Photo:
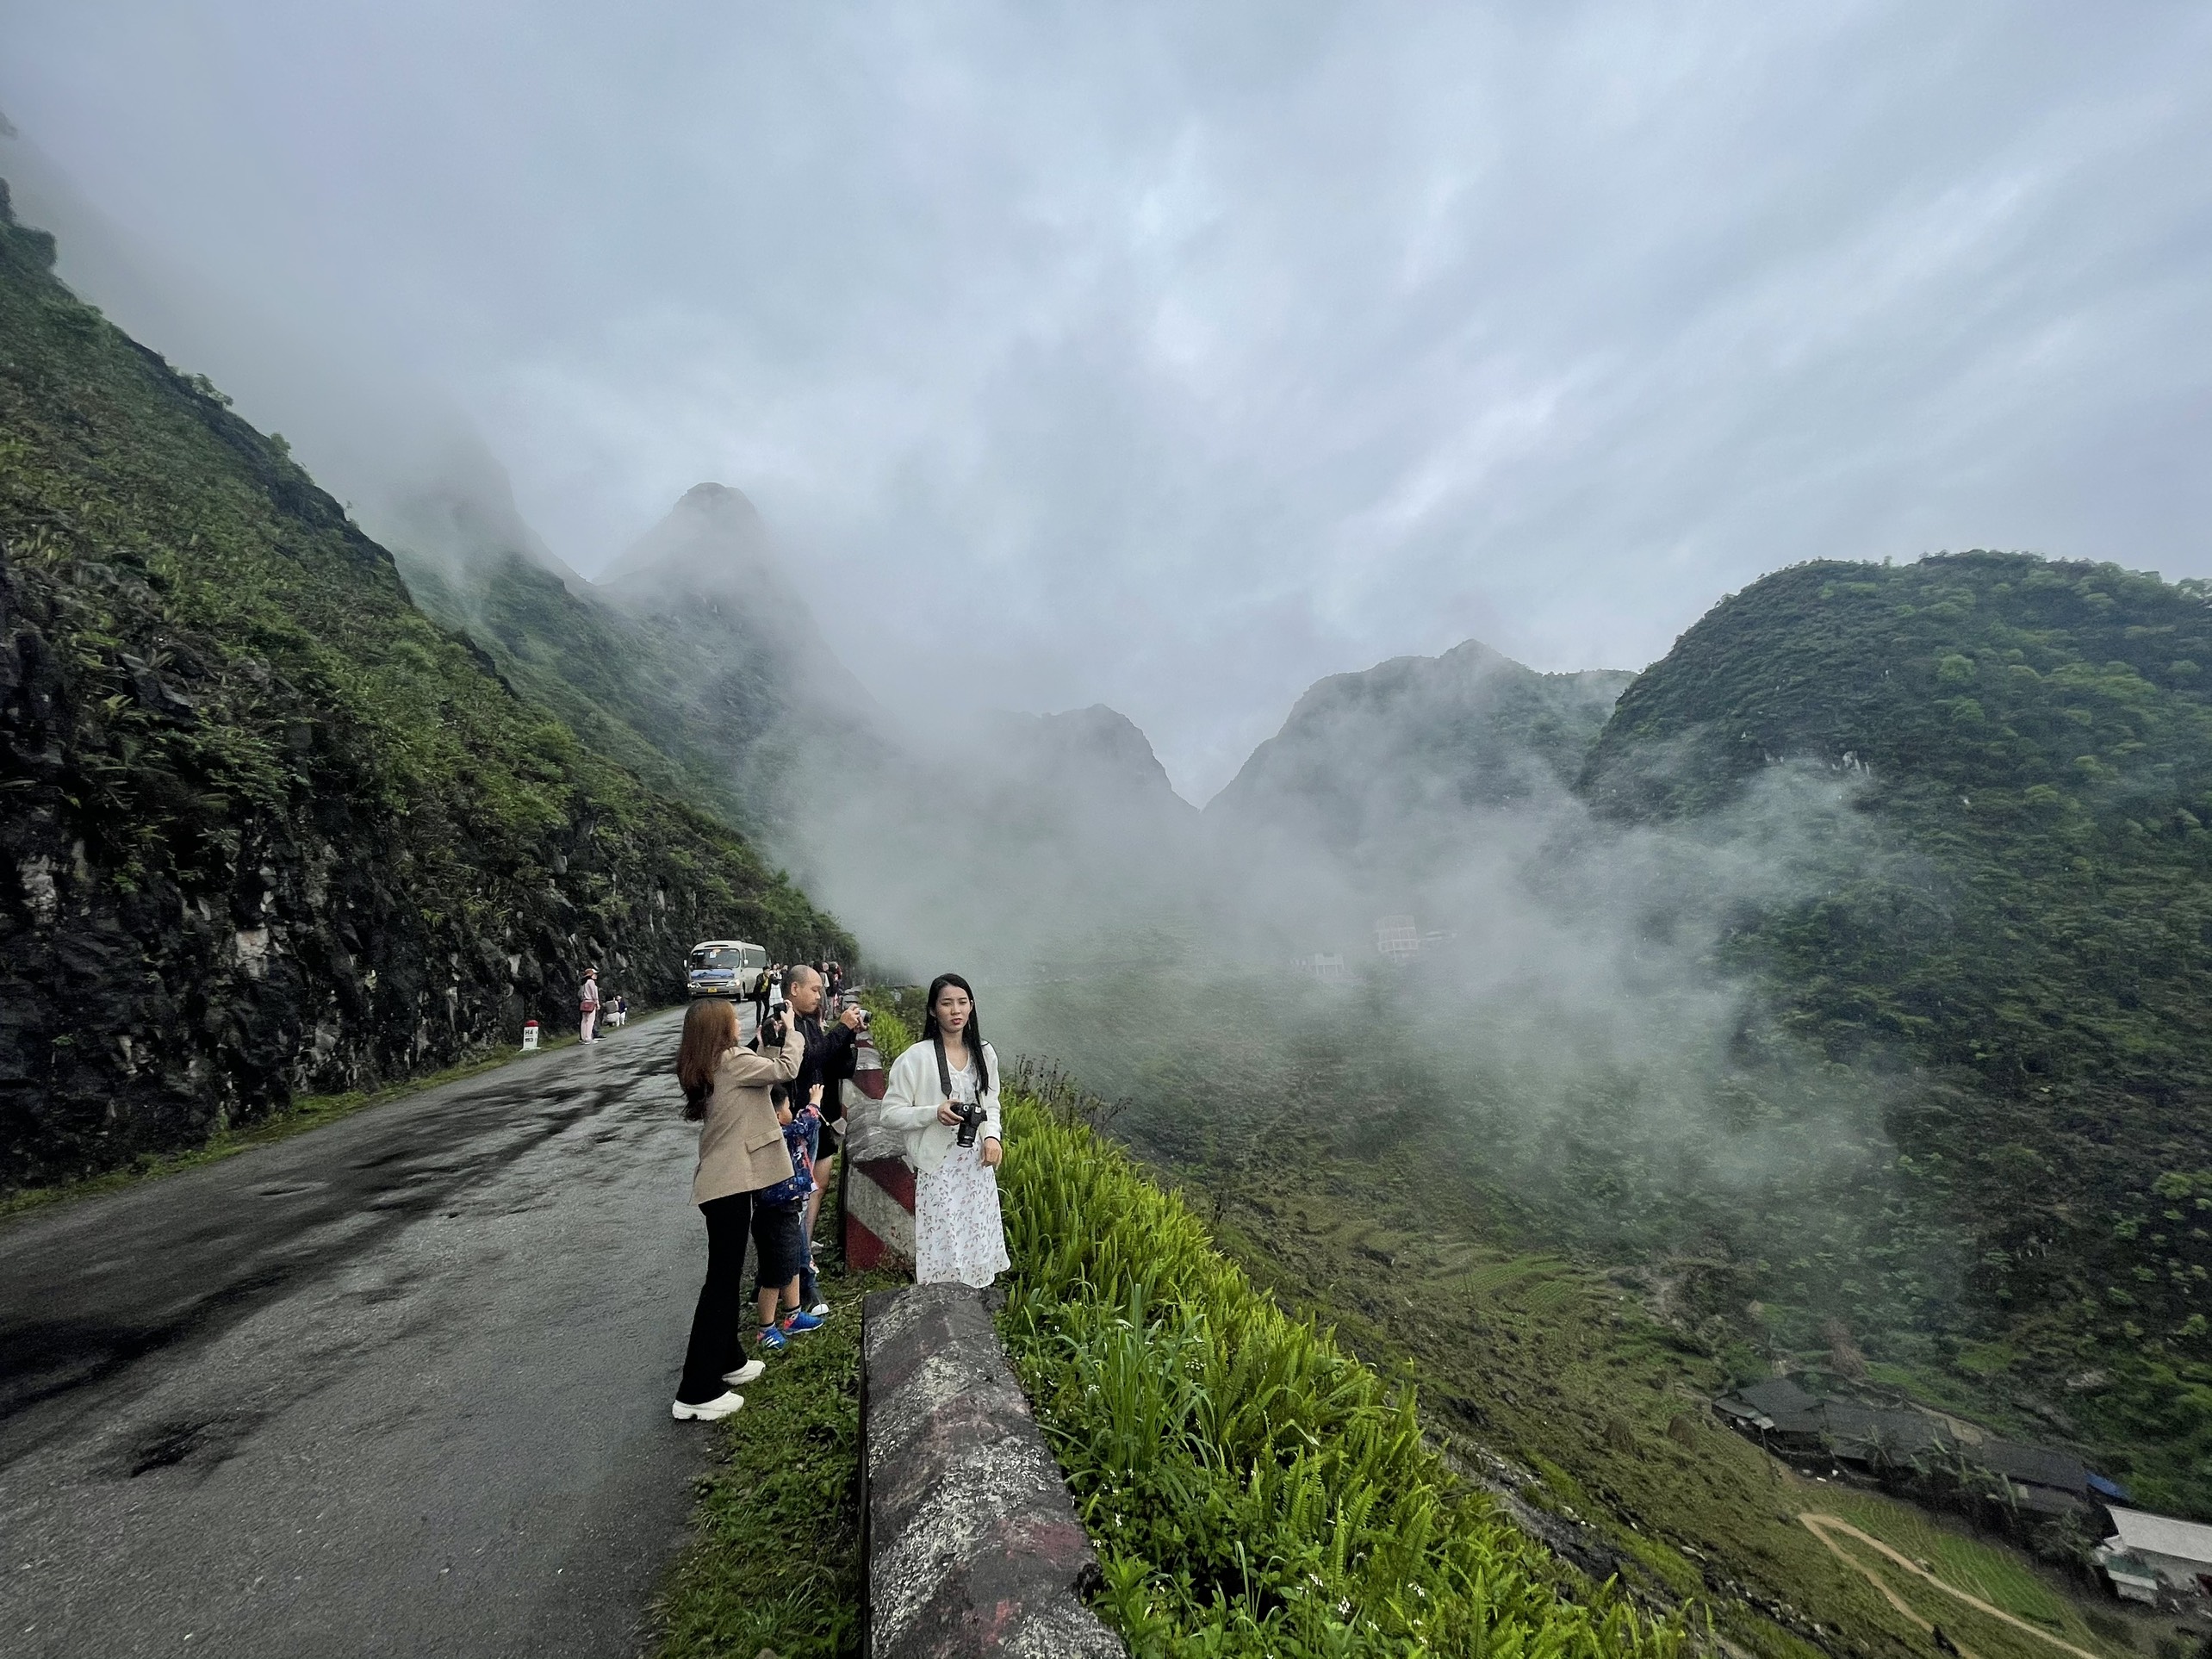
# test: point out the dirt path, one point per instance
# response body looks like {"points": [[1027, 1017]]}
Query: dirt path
{"points": [[1820, 1525]]}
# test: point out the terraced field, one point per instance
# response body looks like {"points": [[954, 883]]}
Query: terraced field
{"points": [[1555, 1384]]}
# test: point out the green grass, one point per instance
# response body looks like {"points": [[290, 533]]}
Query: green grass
{"points": [[774, 1557], [1252, 1487], [1197, 1421]]}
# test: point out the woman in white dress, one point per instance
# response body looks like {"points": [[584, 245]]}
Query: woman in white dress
{"points": [[942, 1094]]}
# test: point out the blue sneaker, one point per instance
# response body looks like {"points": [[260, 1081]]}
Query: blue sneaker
{"points": [[772, 1341], [798, 1323]]}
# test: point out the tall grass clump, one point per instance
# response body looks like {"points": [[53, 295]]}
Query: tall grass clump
{"points": [[1253, 1489], [892, 1020]]}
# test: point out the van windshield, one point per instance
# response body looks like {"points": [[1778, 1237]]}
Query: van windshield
{"points": [[727, 956]]}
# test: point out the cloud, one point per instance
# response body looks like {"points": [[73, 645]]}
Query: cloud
{"points": [[1173, 357]]}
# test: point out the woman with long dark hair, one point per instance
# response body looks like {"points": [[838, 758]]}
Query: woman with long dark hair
{"points": [[943, 1094], [741, 1151]]}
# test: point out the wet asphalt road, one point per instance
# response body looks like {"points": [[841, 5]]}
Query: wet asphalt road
{"points": [[400, 1385]]}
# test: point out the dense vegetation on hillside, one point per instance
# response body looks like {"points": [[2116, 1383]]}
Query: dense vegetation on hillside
{"points": [[588, 664], [694, 659], [2037, 738], [268, 826]]}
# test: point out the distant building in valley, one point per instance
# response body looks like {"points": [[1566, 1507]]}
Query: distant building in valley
{"points": [[1324, 965], [2038, 1481], [1398, 938]]}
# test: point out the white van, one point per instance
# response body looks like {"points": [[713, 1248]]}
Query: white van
{"points": [[725, 967]]}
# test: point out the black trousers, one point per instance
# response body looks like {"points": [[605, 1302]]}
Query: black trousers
{"points": [[717, 1341]]}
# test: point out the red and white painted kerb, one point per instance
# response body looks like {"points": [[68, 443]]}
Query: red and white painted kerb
{"points": [[879, 1185]]}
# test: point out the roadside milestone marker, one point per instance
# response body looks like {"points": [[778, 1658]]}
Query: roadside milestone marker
{"points": [[529, 1035]]}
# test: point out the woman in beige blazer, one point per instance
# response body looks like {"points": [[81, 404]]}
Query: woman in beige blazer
{"points": [[741, 1150]]}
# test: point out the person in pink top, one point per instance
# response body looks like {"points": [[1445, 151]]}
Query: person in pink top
{"points": [[588, 1003]]}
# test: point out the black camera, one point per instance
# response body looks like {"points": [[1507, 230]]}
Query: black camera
{"points": [[971, 1115], [774, 1032]]}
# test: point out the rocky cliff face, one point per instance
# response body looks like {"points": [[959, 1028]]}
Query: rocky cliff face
{"points": [[268, 827]]}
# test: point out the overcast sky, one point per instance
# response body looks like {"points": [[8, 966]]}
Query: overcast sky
{"points": [[1173, 356]]}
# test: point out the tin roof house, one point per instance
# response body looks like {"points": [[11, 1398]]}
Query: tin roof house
{"points": [[2178, 1553], [1781, 1413], [2042, 1480], [2038, 1481]]}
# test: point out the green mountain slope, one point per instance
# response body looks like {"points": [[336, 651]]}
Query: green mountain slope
{"points": [[694, 659], [2039, 736], [735, 637], [587, 663], [1364, 758], [270, 828]]}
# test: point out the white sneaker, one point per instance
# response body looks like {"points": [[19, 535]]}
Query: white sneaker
{"points": [[748, 1372], [820, 1310], [709, 1411]]}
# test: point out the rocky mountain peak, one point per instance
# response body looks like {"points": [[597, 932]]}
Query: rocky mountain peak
{"points": [[713, 538], [1097, 748]]}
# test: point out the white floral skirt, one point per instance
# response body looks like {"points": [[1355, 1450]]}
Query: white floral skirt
{"points": [[958, 1237]]}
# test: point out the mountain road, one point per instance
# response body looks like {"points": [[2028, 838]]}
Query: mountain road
{"points": [[398, 1385]]}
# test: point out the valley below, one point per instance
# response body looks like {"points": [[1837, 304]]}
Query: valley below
{"points": [[1571, 1367]]}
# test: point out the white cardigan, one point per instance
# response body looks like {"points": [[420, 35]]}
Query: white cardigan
{"points": [[911, 1096]]}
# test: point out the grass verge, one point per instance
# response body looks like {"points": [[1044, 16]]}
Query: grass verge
{"points": [[305, 1113], [1254, 1489], [774, 1557]]}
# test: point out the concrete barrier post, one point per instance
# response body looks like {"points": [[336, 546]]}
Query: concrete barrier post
{"points": [[970, 1545], [877, 1198]]}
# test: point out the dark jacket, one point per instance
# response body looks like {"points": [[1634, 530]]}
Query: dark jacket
{"points": [[828, 1058]]}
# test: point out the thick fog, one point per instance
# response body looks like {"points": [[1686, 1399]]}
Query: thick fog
{"points": [[1173, 357]]}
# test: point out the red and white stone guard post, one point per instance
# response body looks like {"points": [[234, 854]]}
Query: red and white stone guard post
{"points": [[877, 1193]]}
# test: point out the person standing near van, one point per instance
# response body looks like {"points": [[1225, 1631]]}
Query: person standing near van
{"points": [[587, 1003], [943, 1094]]}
